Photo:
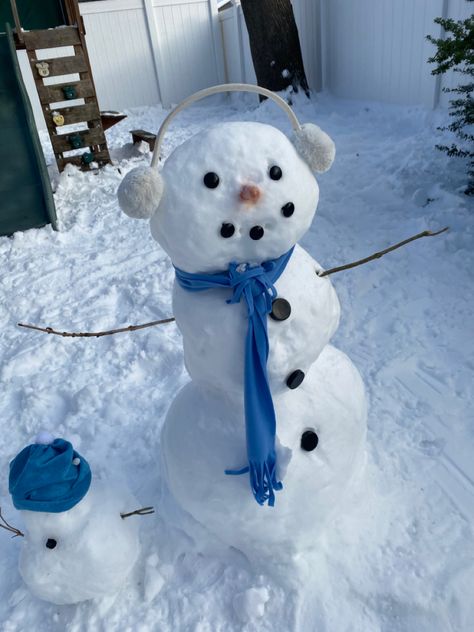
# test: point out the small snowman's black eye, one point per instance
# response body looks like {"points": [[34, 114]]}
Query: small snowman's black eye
{"points": [[309, 440], [51, 543], [211, 180], [275, 172], [288, 209]]}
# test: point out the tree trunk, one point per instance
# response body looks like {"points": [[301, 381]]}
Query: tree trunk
{"points": [[275, 44]]}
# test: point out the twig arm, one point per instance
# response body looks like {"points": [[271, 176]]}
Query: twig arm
{"points": [[144, 511], [381, 253], [96, 334], [8, 527]]}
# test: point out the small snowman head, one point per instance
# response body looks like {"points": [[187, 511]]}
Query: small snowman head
{"points": [[236, 192], [77, 544]]}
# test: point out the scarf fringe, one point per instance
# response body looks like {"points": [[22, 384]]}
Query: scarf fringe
{"points": [[263, 480]]}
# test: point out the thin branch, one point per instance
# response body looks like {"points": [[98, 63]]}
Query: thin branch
{"points": [[377, 255], [8, 527], [144, 511], [96, 334]]}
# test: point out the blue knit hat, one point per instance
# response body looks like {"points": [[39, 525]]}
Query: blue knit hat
{"points": [[48, 477]]}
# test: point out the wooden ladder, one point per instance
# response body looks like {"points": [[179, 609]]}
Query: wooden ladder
{"points": [[91, 141]]}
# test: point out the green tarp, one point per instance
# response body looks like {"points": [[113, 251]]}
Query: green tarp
{"points": [[34, 14], [26, 199]]}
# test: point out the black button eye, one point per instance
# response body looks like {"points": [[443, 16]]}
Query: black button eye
{"points": [[275, 172], [288, 209], [211, 180], [309, 440], [227, 230], [50, 543]]}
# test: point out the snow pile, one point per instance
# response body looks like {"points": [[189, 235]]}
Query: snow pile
{"points": [[400, 558]]}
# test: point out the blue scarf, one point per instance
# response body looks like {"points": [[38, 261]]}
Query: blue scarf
{"points": [[256, 286]]}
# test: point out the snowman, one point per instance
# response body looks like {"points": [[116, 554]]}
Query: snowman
{"points": [[267, 437], [78, 543]]}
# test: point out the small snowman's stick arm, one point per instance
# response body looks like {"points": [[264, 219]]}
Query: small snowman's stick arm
{"points": [[8, 527], [381, 253], [144, 511]]}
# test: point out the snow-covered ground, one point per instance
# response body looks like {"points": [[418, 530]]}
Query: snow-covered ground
{"points": [[401, 557]]}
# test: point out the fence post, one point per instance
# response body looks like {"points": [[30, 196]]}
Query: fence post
{"points": [[156, 51]]}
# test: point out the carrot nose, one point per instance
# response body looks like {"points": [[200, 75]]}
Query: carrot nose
{"points": [[250, 193]]}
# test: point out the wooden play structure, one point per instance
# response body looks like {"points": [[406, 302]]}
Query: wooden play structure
{"points": [[25, 188], [90, 140]]}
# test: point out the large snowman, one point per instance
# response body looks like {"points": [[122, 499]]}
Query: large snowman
{"points": [[265, 439]]}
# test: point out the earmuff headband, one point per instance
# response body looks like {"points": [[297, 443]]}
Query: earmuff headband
{"points": [[225, 87]]}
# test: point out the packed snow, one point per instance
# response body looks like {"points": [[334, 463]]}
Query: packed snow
{"points": [[400, 556]]}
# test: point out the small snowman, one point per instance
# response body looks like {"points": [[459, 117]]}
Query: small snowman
{"points": [[78, 543], [262, 444]]}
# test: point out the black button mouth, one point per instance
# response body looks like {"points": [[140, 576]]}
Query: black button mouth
{"points": [[51, 543], [227, 230], [256, 233]]}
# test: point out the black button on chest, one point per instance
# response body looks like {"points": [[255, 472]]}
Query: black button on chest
{"points": [[281, 309], [309, 440], [295, 379]]}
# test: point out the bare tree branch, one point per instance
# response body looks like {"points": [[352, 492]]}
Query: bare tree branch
{"points": [[96, 334], [144, 511], [8, 527], [377, 255]]}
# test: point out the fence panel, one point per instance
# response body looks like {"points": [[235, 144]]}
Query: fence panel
{"points": [[377, 49], [187, 47], [121, 55]]}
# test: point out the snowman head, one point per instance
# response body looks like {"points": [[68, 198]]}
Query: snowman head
{"points": [[236, 192], [77, 544]]}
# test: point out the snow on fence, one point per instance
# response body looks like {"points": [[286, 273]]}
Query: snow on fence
{"points": [[364, 49]]}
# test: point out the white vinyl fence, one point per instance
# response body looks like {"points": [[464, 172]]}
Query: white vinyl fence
{"points": [[145, 52], [359, 49]]}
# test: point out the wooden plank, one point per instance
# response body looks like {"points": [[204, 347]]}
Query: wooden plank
{"points": [[61, 65], [78, 114], [111, 118], [101, 157], [90, 138], [54, 93], [51, 38]]}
